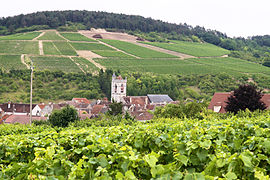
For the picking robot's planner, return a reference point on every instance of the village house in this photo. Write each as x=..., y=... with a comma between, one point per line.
x=218, y=101
x=46, y=110
x=19, y=109
x=159, y=99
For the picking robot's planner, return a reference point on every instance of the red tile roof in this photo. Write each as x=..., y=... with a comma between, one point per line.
x=266, y=100
x=42, y=106
x=142, y=115
x=97, y=109
x=219, y=99
x=4, y=118
x=150, y=107
x=139, y=101
x=81, y=100
x=22, y=119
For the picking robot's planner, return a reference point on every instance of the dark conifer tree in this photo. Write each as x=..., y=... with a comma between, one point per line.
x=245, y=97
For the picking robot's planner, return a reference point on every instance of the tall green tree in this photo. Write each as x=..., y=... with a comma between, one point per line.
x=63, y=117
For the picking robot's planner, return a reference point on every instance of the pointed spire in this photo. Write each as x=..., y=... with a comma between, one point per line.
x=113, y=76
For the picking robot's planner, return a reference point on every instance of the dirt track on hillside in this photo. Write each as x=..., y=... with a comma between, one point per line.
x=22, y=60
x=41, y=34
x=40, y=46
x=88, y=54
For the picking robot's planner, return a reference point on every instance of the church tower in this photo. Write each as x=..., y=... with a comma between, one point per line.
x=119, y=88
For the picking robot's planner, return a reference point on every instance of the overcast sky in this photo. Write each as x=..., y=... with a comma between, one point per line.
x=233, y=17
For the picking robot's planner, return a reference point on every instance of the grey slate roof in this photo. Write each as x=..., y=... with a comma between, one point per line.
x=159, y=98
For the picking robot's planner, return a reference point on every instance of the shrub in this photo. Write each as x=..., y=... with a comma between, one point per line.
x=63, y=117
x=189, y=110
x=245, y=97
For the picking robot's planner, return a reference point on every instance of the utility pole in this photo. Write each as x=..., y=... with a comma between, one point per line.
x=31, y=91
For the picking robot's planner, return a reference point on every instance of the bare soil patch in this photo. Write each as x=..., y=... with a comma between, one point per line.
x=88, y=54
x=109, y=35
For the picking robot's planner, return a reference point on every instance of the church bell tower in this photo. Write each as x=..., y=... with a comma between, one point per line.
x=119, y=88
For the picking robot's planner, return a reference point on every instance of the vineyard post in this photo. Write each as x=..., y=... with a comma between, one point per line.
x=31, y=91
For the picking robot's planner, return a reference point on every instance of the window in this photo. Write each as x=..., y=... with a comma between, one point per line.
x=122, y=88
x=115, y=89
x=217, y=108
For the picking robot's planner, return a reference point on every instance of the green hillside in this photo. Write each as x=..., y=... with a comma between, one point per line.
x=232, y=66
x=18, y=47
x=51, y=35
x=137, y=50
x=197, y=77
x=192, y=48
x=51, y=50
x=76, y=37
x=55, y=64
x=21, y=36
x=8, y=62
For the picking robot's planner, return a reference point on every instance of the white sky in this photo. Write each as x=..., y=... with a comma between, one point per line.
x=233, y=17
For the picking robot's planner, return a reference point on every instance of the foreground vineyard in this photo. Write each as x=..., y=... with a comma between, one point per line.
x=166, y=149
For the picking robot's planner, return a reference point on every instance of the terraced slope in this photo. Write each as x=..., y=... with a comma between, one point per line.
x=192, y=48
x=11, y=62
x=51, y=35
x=21, y=36
x=188, y=66
x=73, y=52
x=19, y=47
x=136, y=50
x=76, y=37
x=55, y=63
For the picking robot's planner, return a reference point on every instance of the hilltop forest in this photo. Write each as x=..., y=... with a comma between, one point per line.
x=256, y=48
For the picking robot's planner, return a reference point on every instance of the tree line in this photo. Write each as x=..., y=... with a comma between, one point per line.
x=57, y=85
